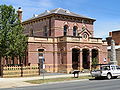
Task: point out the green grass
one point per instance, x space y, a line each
40 81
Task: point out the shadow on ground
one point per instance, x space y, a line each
101 78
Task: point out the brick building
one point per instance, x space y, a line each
115 35
63 40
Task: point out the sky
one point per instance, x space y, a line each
106 12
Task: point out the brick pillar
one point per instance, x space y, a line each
90 55
81 60
69 61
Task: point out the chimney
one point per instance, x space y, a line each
20 14
110 34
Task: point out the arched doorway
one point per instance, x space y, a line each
95 56
86 59
75 58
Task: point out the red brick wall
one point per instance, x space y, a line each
33 52
116 37
38 27
59 27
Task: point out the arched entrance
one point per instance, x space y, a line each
75 58
95 56
86 59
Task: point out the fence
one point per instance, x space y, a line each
20 71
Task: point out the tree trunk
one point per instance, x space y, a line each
1 67
6 60
13 60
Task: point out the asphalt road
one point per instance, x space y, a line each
113 84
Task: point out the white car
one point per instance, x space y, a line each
109 71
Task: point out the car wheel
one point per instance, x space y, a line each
109 76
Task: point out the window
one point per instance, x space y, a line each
41 58
65 30
85 36
40 52
113 67
45 31
74 31
118 67
106 68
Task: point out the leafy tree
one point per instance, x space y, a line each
94 62
13 42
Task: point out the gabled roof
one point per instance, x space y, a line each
59 11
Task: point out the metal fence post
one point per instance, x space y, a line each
21 70
39 67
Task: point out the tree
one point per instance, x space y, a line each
13 42
94 62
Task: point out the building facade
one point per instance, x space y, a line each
114 35
63 41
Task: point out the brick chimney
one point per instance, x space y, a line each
20 14
110 34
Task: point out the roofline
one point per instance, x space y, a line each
116 31
95 38
77 17
56 14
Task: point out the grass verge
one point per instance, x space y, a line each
40 81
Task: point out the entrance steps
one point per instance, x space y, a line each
62 71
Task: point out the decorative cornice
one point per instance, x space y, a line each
60 17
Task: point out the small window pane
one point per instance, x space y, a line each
65 30
74 31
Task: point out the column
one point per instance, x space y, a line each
90 54
81 61
69 61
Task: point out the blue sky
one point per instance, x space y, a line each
106 12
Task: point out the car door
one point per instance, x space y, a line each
118 70
114 70
105 70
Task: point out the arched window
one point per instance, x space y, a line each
74 30
65 30
85 35
41 59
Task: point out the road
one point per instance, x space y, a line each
113 84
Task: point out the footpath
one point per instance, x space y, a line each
19 82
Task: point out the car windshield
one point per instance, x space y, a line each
105 68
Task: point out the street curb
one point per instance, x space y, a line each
64 81
20 82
